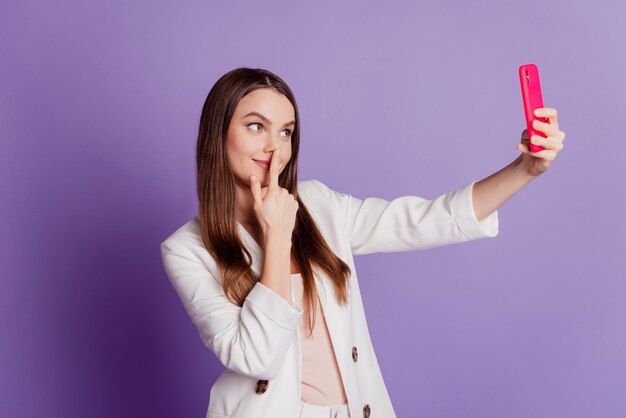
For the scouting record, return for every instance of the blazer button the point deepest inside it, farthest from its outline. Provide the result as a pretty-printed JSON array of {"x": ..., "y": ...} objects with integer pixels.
[
  {"x": 366, "y": 411},
  {"x": 261, "y": 386},
  {"x": 355, "y": 354}
]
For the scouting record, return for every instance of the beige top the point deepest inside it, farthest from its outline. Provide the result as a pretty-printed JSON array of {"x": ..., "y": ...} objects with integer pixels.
[{"x": 321, "y": 380}]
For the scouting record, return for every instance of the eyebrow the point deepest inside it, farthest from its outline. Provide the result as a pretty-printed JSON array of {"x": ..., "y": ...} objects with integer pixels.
[{"x": 266, "y": 120}]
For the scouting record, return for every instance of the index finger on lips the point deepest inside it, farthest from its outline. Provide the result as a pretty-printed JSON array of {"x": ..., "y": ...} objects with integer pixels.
[{"x": 274, "y": 169}]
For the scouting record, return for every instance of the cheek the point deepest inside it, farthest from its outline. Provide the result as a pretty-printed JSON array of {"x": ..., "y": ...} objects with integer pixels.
[
  {"x": 243, "y": 148},
  {"x": 288, "y": 157}
]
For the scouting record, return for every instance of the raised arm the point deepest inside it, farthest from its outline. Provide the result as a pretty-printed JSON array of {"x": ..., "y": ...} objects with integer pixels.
[{"x": 409, "y": 222}]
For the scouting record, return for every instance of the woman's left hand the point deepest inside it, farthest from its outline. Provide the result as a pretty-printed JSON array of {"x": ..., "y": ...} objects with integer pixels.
[{"x": 537, "y": 163}]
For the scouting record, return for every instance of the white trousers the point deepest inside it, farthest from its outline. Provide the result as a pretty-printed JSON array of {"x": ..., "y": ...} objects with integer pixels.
[{"x": 317, "y": 411}]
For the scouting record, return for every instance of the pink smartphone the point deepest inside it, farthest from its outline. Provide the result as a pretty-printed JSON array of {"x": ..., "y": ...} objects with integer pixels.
[{"x": 531, "y": 96}]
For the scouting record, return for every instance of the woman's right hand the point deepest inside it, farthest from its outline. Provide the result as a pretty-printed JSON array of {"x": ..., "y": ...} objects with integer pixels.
[{"x": 275, "y": 209}]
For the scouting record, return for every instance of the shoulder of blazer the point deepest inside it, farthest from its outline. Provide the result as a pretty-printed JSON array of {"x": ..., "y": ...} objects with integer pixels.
[
  {"x": 319, "y": 193},
  {"x": 188, "y": 234},
  {"x": 314, "y": 186},
  {"x": 186, "y": 242},
  {"x": 324, "y": 202}
]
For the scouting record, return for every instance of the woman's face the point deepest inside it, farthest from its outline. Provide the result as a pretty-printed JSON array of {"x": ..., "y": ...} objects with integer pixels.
[{"x": 255, "y": 136}]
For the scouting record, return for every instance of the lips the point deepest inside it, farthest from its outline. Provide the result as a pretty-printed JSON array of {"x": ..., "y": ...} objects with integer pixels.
[{"x": 262, "y": 163}]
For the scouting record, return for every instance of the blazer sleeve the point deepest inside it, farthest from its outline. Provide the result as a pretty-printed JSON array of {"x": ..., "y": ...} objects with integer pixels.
[
  {"x": 410, "y": 222},
  {"x": 251, "y": 340}
]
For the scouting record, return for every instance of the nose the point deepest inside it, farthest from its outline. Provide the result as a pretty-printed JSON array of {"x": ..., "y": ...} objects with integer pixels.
[
  {"x": 273, "y": 143},
  {"x": 271, "y": 152}
]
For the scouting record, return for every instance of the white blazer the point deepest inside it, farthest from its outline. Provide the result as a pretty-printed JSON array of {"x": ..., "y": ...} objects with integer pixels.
[{"x": 259, "y": 343}]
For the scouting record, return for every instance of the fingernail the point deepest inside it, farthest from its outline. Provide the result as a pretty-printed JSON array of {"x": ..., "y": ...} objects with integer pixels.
[{"x": 253, "y": 179}]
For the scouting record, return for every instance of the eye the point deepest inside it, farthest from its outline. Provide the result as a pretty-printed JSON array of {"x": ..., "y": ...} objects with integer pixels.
[
  {"x": 255, "y": 124},
  {"x": 260, "y": 124}
]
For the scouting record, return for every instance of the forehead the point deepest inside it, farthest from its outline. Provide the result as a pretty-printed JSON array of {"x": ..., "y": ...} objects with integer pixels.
[{"x": 267, "y": 102}]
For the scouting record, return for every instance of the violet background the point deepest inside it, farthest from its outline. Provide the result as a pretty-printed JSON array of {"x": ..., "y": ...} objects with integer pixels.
[{"x": 100, "y": 103}]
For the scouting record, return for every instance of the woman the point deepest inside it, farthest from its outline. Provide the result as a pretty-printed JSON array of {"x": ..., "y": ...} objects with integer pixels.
[{"x": 267, "y": 253}]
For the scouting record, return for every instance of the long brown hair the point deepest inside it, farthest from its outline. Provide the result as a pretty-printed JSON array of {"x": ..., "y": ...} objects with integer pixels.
[{"x": 216, "y": 197}]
